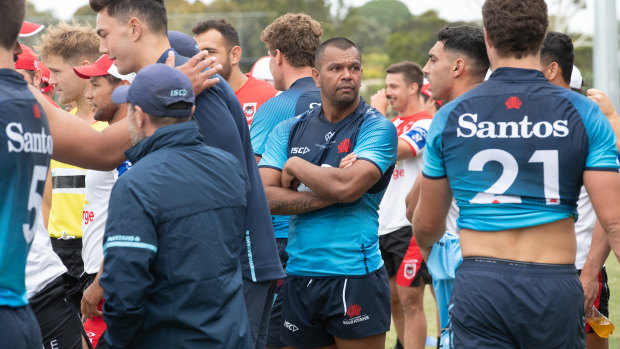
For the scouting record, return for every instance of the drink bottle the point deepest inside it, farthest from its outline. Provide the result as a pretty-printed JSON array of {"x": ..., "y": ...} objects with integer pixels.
[{"x": 599, "y": 323}]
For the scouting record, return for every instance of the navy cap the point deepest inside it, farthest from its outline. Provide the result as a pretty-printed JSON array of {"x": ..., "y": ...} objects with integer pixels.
[
  {"x": 184, "y": 44},
  {"x": 155, "y": 88}
]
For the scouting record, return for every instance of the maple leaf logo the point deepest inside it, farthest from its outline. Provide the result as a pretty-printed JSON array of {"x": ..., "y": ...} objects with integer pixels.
[
  {"x": 513, "y": 103},
  {"x": 354, "y": 310},
  {"x": 344, "y": 146}
]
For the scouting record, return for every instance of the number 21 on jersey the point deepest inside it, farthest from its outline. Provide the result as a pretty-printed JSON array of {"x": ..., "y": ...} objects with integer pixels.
[{"x": 510, "y": 169}]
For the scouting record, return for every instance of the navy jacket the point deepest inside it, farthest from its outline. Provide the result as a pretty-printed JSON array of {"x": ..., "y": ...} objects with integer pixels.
[
  {"x": 171, "y": 276},
  {"x": 223, "y": 125}
]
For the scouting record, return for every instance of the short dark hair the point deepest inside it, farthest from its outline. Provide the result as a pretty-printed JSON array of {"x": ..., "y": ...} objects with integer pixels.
[
  {"x": 222, "y": 26},
  {"x": 558, "y": 47},
  {"x": 296, "y": 35},
  {"x": 112, "y": 80},
  {"x": 468, "y": 41},
  {"x": 11, "y": 19},
  {"x": 515, "y": 28},
  {"x": 151, "y": 12},
  {"x": 338, "y": 42},
  {"x": 412, "y": 72}
]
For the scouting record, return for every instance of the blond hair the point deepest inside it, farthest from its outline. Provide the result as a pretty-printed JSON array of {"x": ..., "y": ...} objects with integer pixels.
[
  {"x": 73, "y": 42},
  {"x": 296, "y": 35}
]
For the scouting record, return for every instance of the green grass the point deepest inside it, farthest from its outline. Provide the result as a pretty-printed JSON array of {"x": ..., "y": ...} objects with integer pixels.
[{"x": 613, "y": 274}]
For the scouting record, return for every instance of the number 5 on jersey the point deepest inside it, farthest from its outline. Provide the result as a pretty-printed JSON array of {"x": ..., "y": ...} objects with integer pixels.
[{"x": 39, "y": 174}]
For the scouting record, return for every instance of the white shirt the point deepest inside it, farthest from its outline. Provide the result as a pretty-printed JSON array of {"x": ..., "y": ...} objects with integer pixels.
[{"x": 98, "y": 187}]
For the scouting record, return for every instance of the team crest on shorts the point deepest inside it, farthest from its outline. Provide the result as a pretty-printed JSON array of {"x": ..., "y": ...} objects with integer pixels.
[
  {"x": 249, "y": 109},
  {"x": 411, "y": 267},
  {"x": 354, "y": 312}
]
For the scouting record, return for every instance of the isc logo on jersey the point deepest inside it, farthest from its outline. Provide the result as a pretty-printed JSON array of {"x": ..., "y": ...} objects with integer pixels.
[
  {"x": 28, "y": 142},
  {"x": 469, "y": 127},
  {"x": 299, "y": 150}
]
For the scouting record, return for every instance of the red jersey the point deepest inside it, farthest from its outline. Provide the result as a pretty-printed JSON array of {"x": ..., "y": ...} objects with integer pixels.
[{"x": 252, "y": 95}]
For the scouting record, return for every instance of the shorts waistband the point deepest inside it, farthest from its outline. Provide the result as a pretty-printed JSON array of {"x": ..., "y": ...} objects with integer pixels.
[
  {"x": 491, "y": 264},
  {"x": 337, "y": 276},
  {"x": 69, "y": 243}
]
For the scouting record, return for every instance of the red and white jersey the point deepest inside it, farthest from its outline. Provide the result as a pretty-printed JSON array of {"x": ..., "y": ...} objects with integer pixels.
[
  {"x": 392, "y": 210},
  {"x": 98, "y": 187},
  {"x": 584, "y": 227},
  {"x": 252, "y": 95}
]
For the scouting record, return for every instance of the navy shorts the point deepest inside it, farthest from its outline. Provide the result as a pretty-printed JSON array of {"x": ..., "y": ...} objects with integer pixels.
[
  {"x": 508, "y": 304},
  {"x": 275, "y": 320},
  {"x": 315, "y": 310},
  {"x": 19, "y": 329}
]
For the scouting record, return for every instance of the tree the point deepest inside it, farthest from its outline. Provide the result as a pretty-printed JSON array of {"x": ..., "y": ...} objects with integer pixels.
[
  {"x": 415, "y": 37},
  {"x": 389, "y": 12}
]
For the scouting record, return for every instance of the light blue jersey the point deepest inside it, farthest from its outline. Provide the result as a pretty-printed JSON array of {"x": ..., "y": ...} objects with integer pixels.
[
  {"x": 341, "y": 239},
  {"x": 296, "y": 100},
  {"x": 25, "y": 153},
  {"x": 514, "y": 150}
]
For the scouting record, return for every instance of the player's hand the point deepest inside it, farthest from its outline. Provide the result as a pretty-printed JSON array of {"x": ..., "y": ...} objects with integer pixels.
[
  {"x": 590, "y": 290},
  {"x": 195, "y": 67},
  {"x": 288, "y": 179},
  {"x": 91, "y": 298},
  {"x": 348, "y": 160},
  {"x": 379, "y": 101},
  {"x": 602, "y": 100}
]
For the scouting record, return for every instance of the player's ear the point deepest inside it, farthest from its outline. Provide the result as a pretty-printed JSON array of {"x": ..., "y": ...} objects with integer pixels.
[
  {"x": 315, "y": 77},
  {"x": 235, "y": 54},
  {"x": 136, "y": 28},
  {"x": 458, "y": 67}
]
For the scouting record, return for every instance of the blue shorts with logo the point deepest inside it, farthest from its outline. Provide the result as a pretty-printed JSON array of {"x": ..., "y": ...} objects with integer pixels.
[
  {"x": 509, "y": 304},
  {"x": 315, "y": 310}
]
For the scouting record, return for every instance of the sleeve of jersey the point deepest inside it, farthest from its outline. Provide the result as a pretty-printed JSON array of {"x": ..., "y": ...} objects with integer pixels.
[
  {"x": 276, "y": 149},
  {"x": 130, "y": 244},
  {"x": 377, "y": 142},
  {"x": 434, "y": 165},
  {"x": 261, "y": 127},
  {"x": 416, "y": 136},
  {"x": 602, "y": 151}
]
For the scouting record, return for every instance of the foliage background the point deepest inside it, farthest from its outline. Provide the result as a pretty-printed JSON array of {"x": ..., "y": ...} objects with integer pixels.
[{"x": 385, "y": 30}]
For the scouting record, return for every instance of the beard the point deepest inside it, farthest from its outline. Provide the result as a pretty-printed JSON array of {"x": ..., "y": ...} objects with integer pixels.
[
  {"x": 106, "y": 112},
  {"x": 226, "y": 70}
]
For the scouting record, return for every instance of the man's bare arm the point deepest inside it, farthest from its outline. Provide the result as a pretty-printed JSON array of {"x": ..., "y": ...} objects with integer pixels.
[
  {"x": 76, "y": 143},
  {"x": 599, "y": 251},
  {"x": 603, "y": 188},
  {"x": 429, "y": 220},
  {"x": 337, "y": 184},
  {"x": 411, "y": 201},
  {"x": 285, "y": 201},
  {"x": 608, "y": 110}
]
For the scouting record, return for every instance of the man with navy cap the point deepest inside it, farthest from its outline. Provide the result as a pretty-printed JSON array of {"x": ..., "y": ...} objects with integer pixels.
[{"x": 171, "y": 274}]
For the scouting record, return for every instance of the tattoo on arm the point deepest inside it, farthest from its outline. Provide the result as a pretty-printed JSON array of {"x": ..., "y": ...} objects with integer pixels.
[{"x": 295, "y": 206}]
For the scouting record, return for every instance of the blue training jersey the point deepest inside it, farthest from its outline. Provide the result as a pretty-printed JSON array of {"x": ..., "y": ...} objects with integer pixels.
[
  {"x": 514, "y": 150},
  {"x": 341, "y": 239},
  {"x": 297, "y": 99},
  {"x": 25, "y": 156},
  {"x": 223, "y": 125}
]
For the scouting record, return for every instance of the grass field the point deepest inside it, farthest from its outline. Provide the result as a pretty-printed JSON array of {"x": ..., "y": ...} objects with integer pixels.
[{"x": 613, "y": 273}]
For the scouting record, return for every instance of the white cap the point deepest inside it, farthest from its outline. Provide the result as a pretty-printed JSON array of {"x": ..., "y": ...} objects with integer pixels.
[
  {"x": 575, "y": 79},
  {"x": 260, "y": 70}
]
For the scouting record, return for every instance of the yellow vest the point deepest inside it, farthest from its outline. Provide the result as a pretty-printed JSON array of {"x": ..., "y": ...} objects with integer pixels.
[{"x": 68, "y": 195}]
